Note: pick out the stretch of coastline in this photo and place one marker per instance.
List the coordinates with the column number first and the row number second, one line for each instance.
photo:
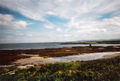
column 80, row 62
column 9, row 56
column 37, row 60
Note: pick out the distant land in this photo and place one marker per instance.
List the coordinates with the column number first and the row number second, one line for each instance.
column 108, row 41
column 111, row 41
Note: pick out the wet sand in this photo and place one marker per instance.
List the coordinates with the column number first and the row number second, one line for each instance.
column 37, row 60
column 111, row 56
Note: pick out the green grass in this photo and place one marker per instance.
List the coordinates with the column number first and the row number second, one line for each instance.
column 100, row 70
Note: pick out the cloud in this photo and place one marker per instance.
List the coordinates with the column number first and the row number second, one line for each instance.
column 58, row 29
column 106, row 29
column 8, row 21
column 63, row 8
column 86, row 19
column 49, row 25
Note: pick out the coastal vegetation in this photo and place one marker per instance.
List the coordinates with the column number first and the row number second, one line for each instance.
column 7, row 59
column 98, row 70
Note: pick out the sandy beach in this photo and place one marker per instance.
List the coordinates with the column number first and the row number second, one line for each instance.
column 37, row 60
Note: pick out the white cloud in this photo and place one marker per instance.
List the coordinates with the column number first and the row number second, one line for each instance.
column 49, row 25
column 106, row 29
column 85, row 31
column 58, row 29
column 37, row 9
column 81, row 14
column 8, row 21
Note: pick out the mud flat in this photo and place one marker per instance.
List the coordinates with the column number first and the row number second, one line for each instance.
column 7, row 59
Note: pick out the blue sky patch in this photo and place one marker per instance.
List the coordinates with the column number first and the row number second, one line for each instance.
column 56, row 19
column 104, row 16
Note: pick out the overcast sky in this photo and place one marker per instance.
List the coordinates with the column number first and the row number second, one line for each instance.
column 58, row 20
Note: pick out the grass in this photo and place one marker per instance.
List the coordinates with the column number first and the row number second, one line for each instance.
column 99, row 70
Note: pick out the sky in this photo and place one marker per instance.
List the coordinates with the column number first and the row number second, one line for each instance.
column 24, row 21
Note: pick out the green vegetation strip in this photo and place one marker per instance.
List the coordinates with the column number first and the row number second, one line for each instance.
column 99, row 70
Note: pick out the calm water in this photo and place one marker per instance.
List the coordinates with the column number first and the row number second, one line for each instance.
column 45, row 45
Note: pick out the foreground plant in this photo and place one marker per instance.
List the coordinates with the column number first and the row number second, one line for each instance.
column 99, row 70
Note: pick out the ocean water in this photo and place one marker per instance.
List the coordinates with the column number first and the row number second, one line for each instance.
column 13, row 46
column 44, row 45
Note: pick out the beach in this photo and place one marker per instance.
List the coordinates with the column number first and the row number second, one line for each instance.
column 52, row 55
column 47, row 64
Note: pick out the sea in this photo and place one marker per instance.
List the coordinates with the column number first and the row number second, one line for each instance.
column 17, row 46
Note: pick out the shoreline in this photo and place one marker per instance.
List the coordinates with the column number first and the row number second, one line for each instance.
column 13, row 55
column 111, row 56
column 35, row 60
column 106, row 69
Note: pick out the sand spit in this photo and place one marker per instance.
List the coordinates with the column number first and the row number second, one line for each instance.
column 31, row 60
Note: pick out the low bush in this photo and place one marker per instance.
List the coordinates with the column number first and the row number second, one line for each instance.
column 99, row 70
